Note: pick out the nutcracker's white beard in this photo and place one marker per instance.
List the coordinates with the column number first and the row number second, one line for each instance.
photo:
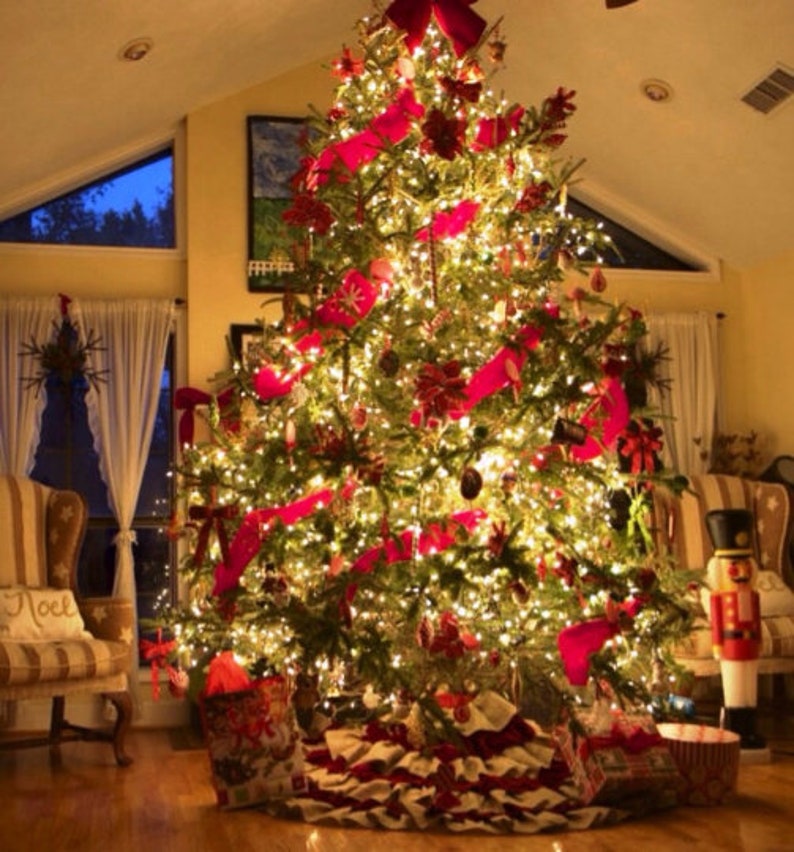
column 739, row 682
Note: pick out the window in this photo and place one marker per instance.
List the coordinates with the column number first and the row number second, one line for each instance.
column 132, row 207
column 66, row 458
column 633, row 251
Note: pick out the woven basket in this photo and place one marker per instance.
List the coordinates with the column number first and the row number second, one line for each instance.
column 708, row 760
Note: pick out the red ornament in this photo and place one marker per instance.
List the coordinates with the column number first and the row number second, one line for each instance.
column 470, row 483
column 598, row 282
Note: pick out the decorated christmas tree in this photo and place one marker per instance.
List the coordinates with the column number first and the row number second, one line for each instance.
column 434, row 481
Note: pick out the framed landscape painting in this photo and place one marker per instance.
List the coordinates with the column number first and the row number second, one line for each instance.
column 274, row 154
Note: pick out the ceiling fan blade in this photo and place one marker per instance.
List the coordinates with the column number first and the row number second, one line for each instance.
column 616, row 4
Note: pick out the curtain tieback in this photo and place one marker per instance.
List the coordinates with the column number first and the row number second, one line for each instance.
column 125, row 537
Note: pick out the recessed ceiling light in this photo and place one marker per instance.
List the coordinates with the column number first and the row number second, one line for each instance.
column 656, row 90
column 136, row 49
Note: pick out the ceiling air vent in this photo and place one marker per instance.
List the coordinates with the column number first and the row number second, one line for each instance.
column 772, row 91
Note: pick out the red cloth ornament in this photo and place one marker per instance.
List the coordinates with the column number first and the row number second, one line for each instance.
column 492, row 132
column 462, row 26
column 577, row 643
column 501, row 371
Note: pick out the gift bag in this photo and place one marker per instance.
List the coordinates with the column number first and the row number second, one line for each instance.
column 254, row 748
column 618, row 759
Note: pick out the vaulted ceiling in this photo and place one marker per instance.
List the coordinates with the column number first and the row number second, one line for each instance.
column 702, row 169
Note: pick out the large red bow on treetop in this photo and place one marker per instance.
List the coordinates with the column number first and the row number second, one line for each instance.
column 462, row 26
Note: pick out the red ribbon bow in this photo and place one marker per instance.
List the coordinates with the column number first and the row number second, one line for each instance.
column 462, row 26
column 156, row 653
column 211, row 515
column 186, row 399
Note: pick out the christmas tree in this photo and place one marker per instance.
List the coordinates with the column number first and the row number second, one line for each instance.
column 435, row 479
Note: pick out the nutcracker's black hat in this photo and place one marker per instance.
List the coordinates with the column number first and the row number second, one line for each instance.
column 731, row 529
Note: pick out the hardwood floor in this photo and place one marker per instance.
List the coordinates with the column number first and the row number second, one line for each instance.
column 164, row 802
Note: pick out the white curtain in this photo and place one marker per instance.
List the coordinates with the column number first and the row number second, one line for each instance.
column 22, row 321
column 121, row 411
column 689, row 405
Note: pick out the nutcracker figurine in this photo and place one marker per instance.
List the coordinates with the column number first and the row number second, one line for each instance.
column 735, row 620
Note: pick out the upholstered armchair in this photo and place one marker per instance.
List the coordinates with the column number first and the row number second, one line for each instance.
column 680, row 529
column 53, row 642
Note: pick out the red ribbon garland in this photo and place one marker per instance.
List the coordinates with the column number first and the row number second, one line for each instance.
column 462, row 26
column 388, row 128
column 254, row 529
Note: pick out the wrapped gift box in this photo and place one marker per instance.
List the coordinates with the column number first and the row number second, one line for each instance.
column 254, row 747
column 708, row 760
column 615, row 758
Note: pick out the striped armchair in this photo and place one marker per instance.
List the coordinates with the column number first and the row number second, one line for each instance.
column 680, row 529
column 53, row 643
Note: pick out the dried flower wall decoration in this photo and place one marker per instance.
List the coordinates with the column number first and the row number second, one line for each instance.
column 64, row 355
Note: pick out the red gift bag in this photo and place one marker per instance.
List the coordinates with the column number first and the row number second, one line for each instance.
column 254, row 747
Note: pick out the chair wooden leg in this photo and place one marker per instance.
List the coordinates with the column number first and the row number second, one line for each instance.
column 123, row 704
column 56, row 727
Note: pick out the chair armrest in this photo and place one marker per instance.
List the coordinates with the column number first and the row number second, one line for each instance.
column 108, row 618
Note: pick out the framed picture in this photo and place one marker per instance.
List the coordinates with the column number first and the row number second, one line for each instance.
column 247, row 344
column 274, row 155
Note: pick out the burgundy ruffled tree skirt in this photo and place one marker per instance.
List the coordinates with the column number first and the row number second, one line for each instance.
column 505, row 777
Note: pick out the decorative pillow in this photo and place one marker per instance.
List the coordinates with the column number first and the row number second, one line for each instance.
column 776, row 597
column 40, row 615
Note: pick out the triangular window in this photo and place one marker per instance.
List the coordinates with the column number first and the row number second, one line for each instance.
column 132, row 207
column 632, row 250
